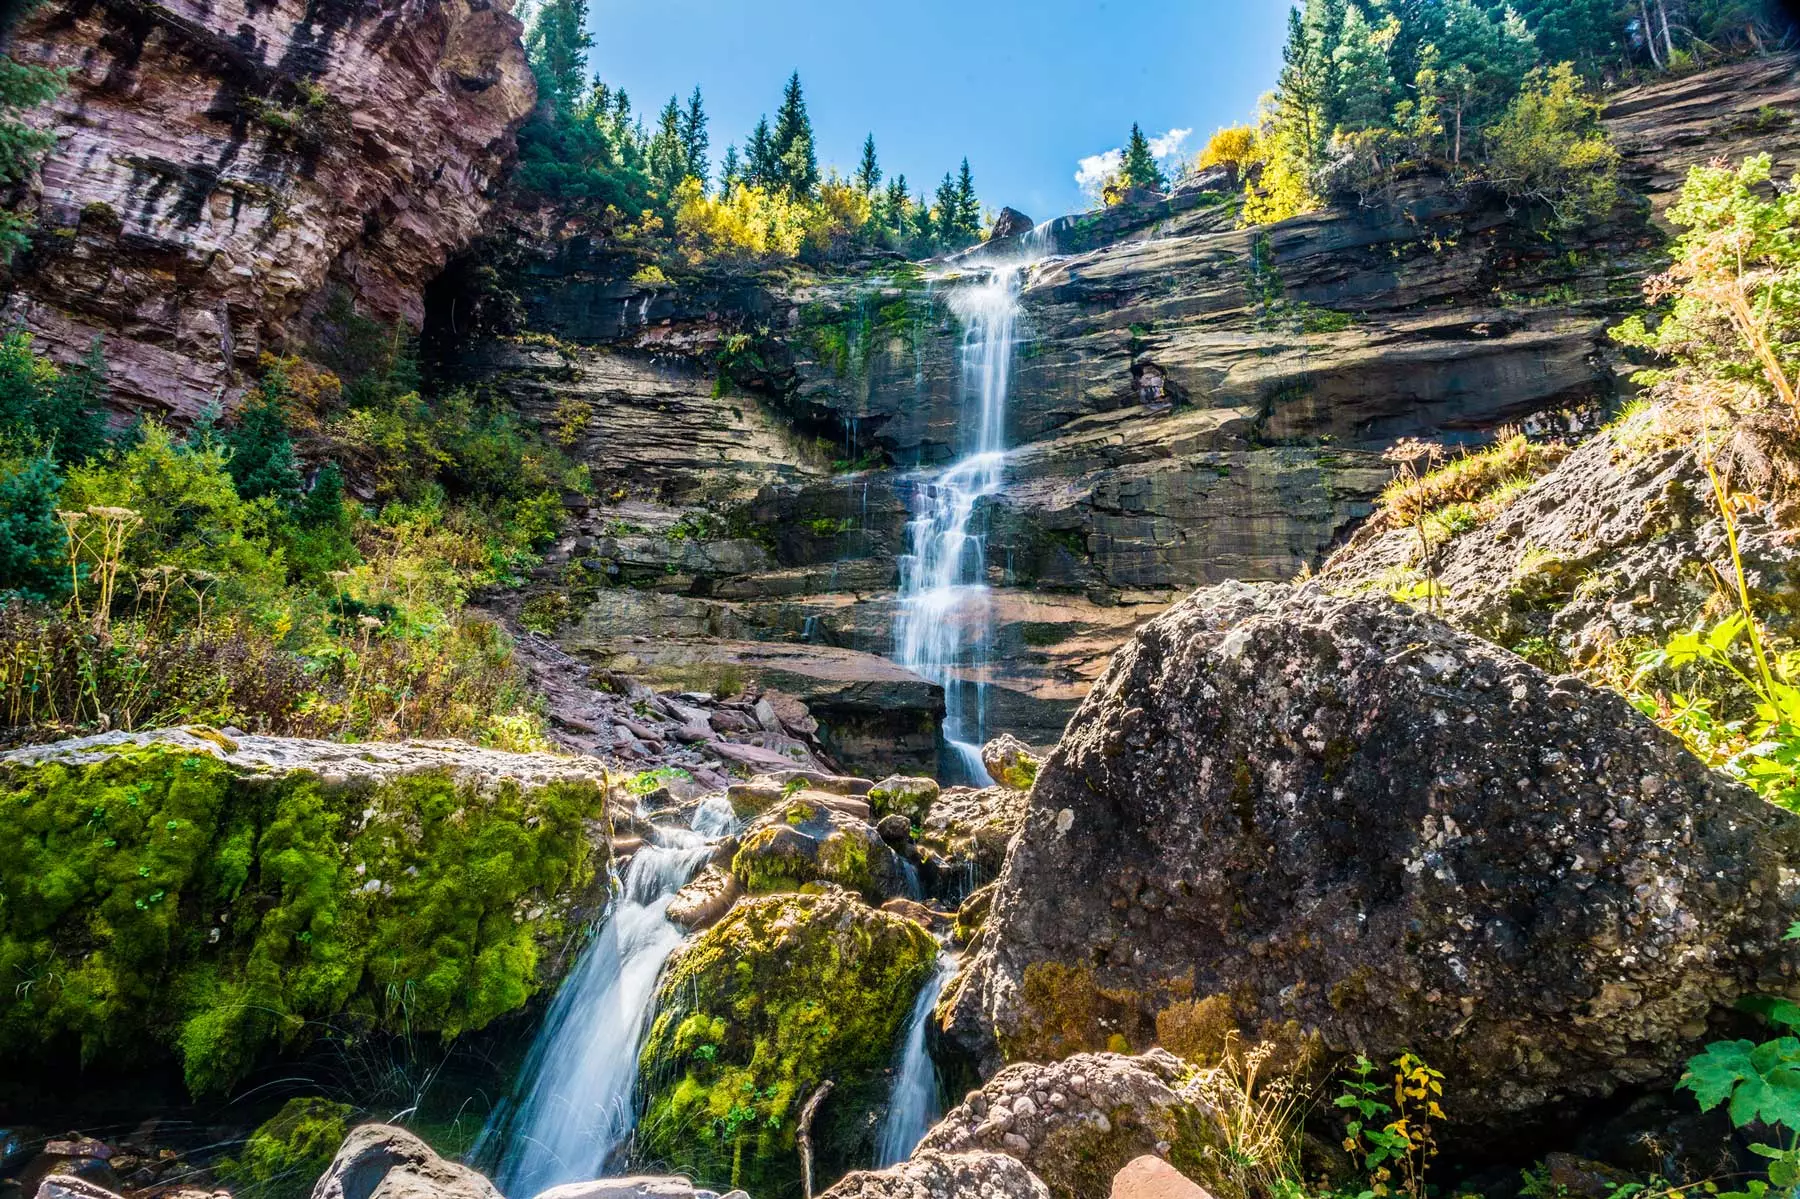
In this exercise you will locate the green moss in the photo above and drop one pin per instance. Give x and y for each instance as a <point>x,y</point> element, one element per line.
<point>786,991</point>
<point>158,901</point>
<point>804,846</point>
<point>288,1153</point>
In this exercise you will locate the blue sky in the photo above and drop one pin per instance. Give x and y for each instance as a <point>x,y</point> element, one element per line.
<point>1026,90</point>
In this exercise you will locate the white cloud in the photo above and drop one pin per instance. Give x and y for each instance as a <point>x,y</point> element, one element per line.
<point>1169,144</point>
<point>1093,170</point>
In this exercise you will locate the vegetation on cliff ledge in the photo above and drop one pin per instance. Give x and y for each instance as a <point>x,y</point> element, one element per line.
<point>157,902</point>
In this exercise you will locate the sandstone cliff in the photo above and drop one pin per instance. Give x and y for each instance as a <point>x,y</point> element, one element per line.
<point>217,166</point>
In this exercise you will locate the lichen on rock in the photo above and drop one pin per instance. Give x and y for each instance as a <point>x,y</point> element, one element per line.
<point>784,992</point>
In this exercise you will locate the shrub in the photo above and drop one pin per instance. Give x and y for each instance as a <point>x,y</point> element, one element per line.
<point>1549,147</point>
<point>288,1152</point>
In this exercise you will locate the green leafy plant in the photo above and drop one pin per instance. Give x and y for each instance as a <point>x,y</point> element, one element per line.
<point>1390,1127</point>
<point>1759,1085</point>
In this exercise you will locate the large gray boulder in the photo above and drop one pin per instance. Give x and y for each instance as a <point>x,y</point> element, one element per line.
<point>379,1161</point>
<point>933,1175</point>
<point>1342,818</point>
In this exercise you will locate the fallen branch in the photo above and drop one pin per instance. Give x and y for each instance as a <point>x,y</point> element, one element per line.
<point>804,1135</point>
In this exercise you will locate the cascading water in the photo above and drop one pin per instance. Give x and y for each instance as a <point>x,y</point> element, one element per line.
<point>944,629</point>
<point>915,1104</point>
<point>572,1109</point>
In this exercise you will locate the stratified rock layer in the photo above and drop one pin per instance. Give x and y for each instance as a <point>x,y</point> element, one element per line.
<point>1343,817</point>
<point>217,164</point>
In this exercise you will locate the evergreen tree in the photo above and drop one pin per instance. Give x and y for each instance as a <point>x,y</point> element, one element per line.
<point>321,539</point>
<point>262,452</point>
<point>947,212</point>
<point>761,163</point>
<point>694,140</point>
<point>921,234</point>
<point>894,207</point>
<point>1299,91</point>
<point>1139,168</point>
<point>47,411</point>
<point>1588,33</point>
<point>868,171</point>
<point>730,171</point>
<point>33,546</point>
<point>666,157</point>
<point>22,88</point>
<point>968,205</point>
<point>1325,21</point>
<point>558,46</point>
<point>798,165</point>
<point>1366,90</point>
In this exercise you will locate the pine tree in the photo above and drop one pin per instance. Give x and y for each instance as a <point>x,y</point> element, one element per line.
<point>761,163</point>
<point>22,88</point>
<point>1139,168</point>
<point>948,213</point>
<point>1365,89</point>
<point>33,547</point>
<point>558,46</point>
<point>667,157</point>
<point>868,171</point>
<point>968,205</point>
<point>730,171</point>
<point>1298,90</point>
<point>894,205</point>
<point>798,168</point>
<point>694,141</point>
<point>262,452</point>
<point>1325,22</point>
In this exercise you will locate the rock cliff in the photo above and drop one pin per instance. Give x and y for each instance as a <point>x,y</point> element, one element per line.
<point>221,170</point>
<point>1191,402</point>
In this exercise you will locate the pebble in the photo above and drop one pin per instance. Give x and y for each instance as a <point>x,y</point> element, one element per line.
<point>1016,1143</point>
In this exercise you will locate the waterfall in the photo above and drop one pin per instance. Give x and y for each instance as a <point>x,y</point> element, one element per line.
<point>944,629</point>
<point>915,1104</point>
<point>572,1107</point>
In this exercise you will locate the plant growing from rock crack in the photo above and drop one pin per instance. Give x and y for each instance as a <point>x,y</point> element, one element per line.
<point>1393,1141</point>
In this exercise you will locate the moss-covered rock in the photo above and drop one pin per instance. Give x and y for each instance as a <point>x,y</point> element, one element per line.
<point>787,991</point>
<point>1011,762</point>
<point>900,795</point>
<point>805,841</point>
<point>217,898</point>
<point>285,1156</point>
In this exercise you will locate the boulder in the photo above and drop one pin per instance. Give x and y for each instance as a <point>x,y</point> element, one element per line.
<point>971,827</point>
<point>933,1175</point>
<point>641,1186</point>
<point>1010,223</point>
<point>807,839</point>
<point>705,899</point>
<point>1010,762</point>
<point>379,1161</point>
<point>1342,819</point>
<point>784,992</point>
<point>1150,1177</point>
<point>1076,1123</point>
<point>307,878</point>
<point>899,795</point>
<point>69,1186</point>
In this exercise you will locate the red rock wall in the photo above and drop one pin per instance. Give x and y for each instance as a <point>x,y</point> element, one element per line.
<point>218,163</point>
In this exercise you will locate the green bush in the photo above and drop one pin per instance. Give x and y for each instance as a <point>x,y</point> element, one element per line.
<point>286,1155</point>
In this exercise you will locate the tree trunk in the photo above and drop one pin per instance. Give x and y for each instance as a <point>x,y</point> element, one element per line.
<point>1456,155</point>
<point>1662,9</point>
<point>1649,33</point>
<point>803,1135</point>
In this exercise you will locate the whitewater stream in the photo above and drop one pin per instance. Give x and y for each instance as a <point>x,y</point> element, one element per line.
<point>572,1112</point>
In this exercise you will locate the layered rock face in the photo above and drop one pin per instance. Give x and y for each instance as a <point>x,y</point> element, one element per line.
<point>1190,402</point>
<point>1338,819</point>
<point>217,165</point>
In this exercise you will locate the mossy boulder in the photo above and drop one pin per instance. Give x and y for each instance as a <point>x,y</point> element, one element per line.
<point>786,991</point>
<point>1010,762</point>
<point>805,841</point>
<point>286,1155</point>
<point>220,899</point>
<point>903,796</point>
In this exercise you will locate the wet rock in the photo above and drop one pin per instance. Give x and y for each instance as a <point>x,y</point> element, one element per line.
<point>705,899</point>
<point>899,795</point>
<point>1010,223</point>
<point>1150,1177</point>
<point>69,1186</point>
<point>1517,876</point>
<point>970,828</point>
<point>929,1174</point>
<point>896,830</point>
<point>786,991</point>
<point>379,1161</point>
<point>1010,762</point>
<point>1116,1108</point>
<point>806,839</point>
<point>910,909</point>
<point>642,1186</point>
